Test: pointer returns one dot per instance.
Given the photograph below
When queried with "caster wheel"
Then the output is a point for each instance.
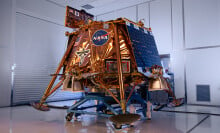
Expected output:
(117, 126)
(69, 116)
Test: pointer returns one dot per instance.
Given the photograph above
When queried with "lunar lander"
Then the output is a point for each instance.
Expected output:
(107, 61)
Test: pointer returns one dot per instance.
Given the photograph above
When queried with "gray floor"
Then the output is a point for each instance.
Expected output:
(25, 119)
(195, 109)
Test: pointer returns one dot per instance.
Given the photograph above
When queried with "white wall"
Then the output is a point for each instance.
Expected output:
(42, 9)
(202, 23)
(32, 37)
(196, 47)
(202, 42)
(143, 12)
(129, 12)
(40, 43)
(107, 16)
(160, 21)
(202, 67)
(177, 24)
(5, 51)
(177, 54)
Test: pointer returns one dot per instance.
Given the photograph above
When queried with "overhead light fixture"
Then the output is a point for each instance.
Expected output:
(87, 6)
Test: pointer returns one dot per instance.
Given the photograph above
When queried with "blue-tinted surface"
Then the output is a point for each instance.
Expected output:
(144, 46)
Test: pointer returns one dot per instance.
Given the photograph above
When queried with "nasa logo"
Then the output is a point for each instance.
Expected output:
(100, 37)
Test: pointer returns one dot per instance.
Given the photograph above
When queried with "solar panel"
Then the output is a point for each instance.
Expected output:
(144, 46)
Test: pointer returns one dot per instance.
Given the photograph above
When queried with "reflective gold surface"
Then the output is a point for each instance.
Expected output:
(158, 83)
(86, 57)
(85, 61)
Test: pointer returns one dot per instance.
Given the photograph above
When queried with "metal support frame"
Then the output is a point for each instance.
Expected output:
(48, 91)
(119, 66)
(77, 110)
(137, 97)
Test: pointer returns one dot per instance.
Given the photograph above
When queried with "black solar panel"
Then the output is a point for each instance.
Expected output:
(144, 46)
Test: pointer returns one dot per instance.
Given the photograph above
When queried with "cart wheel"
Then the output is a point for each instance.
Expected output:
(69, 116)
(117, 126)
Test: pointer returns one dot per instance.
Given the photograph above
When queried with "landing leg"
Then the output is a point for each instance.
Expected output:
(149, 104)
(69, 116)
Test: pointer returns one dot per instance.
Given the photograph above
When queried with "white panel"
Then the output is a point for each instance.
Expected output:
(202, 19)
(177, 24)
(42, 9)
(177, 55)
(5, 52)
(106, 17)
(143, 13)
(177, 65)
(202, 67)
(160, 21)
(129, 13)
(5, 77)
(39, 48)
(5, 24)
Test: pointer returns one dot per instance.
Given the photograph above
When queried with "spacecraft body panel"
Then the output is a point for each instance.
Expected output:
(93, 59)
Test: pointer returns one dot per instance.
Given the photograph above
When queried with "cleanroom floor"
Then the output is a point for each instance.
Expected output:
(25, 119)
